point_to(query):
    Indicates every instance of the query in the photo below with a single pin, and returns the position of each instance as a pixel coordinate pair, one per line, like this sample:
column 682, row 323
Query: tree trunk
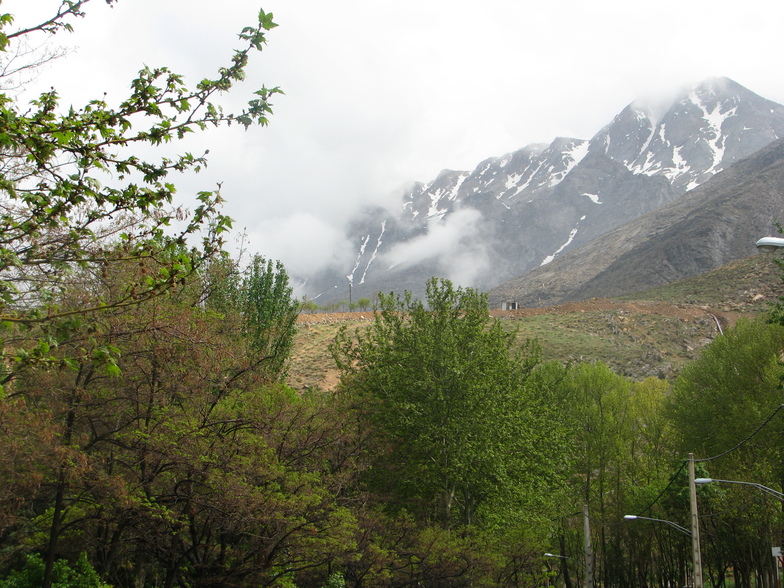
column 54, row 531
column 564, row 567
column 57, row 514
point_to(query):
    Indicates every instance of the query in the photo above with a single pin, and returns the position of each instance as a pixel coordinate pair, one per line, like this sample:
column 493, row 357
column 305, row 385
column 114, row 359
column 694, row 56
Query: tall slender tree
column 727, row 403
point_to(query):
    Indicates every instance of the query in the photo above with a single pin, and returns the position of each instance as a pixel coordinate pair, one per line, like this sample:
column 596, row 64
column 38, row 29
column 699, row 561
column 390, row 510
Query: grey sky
column 380, row 93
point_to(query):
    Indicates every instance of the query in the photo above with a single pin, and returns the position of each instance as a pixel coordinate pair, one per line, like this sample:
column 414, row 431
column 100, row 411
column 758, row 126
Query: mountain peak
column 541, row 201
column 721, row 85
column 655, row 105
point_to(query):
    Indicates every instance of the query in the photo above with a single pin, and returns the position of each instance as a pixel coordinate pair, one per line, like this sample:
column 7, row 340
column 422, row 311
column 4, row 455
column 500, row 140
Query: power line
column 737, row 446
column 667, row 487
column 746, row 440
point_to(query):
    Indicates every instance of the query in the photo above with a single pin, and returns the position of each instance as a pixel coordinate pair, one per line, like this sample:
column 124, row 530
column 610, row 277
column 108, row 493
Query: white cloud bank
column 453, row 244
column 381, row 93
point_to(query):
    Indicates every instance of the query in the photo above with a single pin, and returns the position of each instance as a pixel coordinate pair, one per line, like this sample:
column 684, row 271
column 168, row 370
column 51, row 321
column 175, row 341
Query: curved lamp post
column 588, row 551
column 765, row 489
column 695, row 525
column 563, row 557
column 683, row 530
column 770, row 244
column 676, row 526
column 558, row 556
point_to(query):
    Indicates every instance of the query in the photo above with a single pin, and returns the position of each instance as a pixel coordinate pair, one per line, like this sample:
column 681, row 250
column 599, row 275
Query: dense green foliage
column 741, row 372
column 81, row 575
column 719, row 403
column 263, row 296
column 191, row 462
column 469, row 440
column 147, row 437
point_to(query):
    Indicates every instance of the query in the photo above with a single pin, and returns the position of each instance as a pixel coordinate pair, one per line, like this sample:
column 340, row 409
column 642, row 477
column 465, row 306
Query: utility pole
column 695, row 527
column 588, row 550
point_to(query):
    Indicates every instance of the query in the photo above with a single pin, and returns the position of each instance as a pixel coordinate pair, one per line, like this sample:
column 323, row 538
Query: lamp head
column 770, row 244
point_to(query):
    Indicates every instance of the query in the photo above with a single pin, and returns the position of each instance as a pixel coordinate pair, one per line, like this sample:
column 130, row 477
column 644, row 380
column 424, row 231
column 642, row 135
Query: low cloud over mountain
column 526, row 209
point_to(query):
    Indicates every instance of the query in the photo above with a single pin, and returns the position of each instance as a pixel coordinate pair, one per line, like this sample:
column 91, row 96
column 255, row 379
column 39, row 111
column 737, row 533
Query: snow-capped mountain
column 703, row 132
column 715, row 224
column 522, row 210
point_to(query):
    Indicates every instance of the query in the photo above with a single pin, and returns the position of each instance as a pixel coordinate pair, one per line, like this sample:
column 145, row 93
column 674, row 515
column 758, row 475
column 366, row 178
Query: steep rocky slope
column 709, row 226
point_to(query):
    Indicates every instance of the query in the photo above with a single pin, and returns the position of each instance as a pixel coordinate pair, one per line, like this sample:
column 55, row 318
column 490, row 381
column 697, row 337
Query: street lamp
column 563, row 557
column 695, row 527
column 588, row 554
column 683, row 530
column 765, row 489
column 770, row 244
column 558, row 556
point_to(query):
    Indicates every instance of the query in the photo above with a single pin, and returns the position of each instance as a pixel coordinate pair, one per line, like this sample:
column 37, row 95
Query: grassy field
column 652, row 333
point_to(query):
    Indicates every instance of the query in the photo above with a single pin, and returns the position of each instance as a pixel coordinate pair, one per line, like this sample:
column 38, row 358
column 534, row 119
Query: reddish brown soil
column 684, row 312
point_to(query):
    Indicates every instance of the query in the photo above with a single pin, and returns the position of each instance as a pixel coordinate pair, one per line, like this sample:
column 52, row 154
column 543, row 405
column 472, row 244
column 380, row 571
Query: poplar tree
column 469, row 442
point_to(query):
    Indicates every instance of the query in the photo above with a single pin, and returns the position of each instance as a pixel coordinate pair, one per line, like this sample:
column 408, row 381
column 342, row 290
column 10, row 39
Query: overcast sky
column 379, row 93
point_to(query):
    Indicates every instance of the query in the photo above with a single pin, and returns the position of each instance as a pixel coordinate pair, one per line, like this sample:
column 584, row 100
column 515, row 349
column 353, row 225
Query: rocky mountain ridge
column 523, row 210
column 714, row 224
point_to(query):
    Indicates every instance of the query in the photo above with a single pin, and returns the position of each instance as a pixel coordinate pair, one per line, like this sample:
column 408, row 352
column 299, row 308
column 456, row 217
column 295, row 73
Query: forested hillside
column 150, row 439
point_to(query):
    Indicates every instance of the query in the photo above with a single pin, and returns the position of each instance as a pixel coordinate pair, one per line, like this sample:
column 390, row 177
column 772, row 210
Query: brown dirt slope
column 654, row 334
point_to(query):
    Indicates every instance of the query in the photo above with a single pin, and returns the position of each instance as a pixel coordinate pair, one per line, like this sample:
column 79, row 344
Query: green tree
column 600, row 412
column 77, row 195
column 726, row 403
column 81, row 575
column 192, row 468
column 78, row 201
column 622, row 459
column 261, row 298
column 309, row 306
column 722, row 397
column 270, row 313
column 468, row 441
column 653, row 450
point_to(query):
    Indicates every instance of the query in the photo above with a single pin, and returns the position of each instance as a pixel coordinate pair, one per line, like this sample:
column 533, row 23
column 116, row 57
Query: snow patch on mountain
column 512, row 181
column 358, row 260
column 527, row 183
column 375, row 252
column 449, row 194
column 571, row 157
column 715, row 119
column 549, row 258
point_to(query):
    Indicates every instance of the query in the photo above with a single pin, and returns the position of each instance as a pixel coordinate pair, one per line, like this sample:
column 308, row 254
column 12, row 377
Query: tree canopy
column 91, row 237
column 77, row 196
column 448, row 389
column 148, row 437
